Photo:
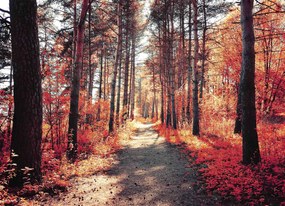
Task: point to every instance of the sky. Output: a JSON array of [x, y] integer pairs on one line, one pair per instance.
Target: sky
[[4, 4]]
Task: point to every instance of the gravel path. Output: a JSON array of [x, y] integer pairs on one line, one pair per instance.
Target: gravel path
[[148, 172]]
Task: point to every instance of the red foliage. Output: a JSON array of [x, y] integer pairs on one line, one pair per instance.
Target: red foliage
[[219, 162]]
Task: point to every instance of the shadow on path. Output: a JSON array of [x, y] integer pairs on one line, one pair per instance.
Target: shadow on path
[[152, 172]]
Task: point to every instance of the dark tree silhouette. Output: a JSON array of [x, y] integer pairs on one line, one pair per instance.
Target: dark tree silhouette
[[27, 121], [251, 152]]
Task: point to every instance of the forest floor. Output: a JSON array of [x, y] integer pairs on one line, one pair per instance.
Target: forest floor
[[147, 171]]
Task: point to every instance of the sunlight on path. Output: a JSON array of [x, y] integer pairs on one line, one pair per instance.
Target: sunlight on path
[[148, 172]]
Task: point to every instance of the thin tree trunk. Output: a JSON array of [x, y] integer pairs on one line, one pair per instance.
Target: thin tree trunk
[[133, 67], [119, 91], [183, 59], [90, 68], [196, 126], [100, 84], [127, 61], [105, 77], [189, 70], [202, 85], [75, 87], [237, 129], [140, 93], [10, 107], [117, 57], [74, 31], [161, 76], [172, 73], [154, 92]]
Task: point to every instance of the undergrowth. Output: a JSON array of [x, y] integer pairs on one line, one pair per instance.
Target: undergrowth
[[218, 159], [96, 154]]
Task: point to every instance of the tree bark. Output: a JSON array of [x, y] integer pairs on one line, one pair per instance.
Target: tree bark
[[117, 57], [133, 78], [74, 31], [196, 126], [127, 61], [98, 116], [171, 68], [161, 74], [27, 120], [91, 70], [251, 152], [119, 92], [202, 85], [189, 71], [75, 87], [237, 129]]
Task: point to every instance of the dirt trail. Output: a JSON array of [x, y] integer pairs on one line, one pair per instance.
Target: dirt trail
[[149, 171]]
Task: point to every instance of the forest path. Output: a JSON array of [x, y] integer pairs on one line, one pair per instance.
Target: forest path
[[149, 171]]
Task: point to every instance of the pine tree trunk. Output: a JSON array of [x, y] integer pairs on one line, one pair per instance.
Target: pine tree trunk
[[154, 93], [183, 60], [127, 61], [98, 116], [27, 121], [75, 87], [89, 118], [196, 126], [172, 73], [119, 91], [251, 152], [161, 74], [117, 57], [74, 31], [237, 129], [189, 70], [202, 85], [133, 78]]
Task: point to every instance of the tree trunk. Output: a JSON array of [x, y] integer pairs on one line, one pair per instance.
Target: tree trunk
[[183, 59], [202, 85], [100, 84], [75, 87], [140, 93], [189, 70], [161, 73], [74, 31], [154, 93], [119, 91], [27, 121], [133, 78], [237, 129], [196, 127], [127, 61], [117, 57], [251, 152], [171, 72], [90, 68]]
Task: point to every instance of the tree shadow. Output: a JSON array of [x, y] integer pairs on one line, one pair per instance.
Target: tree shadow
[[155, 173]]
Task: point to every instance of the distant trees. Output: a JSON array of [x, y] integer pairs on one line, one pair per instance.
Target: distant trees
[[124, 66], [181, 27], [212, 52], [27, 121]]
